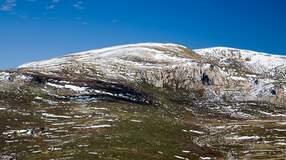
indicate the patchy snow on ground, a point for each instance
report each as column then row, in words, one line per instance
column 197, row 132
column 237, row 78
column 3, row 109
column 4, row 76
column 256, row 60
column 143, row 51
column 48, row 115
column 243, row 138
column 94, row 126
column 22, row 132
column 180, row 157
column 74, row 88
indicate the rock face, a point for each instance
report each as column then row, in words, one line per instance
column 154, row 73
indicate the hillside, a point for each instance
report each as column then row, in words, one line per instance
column 145, row 101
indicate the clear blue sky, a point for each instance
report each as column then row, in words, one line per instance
column 39, row 29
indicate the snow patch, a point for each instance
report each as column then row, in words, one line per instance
column 94, row 126
column 197, row 132
column 68, row 86
column 243, row 138
column 55, row 116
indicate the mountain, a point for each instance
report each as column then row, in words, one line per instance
column 155, row 73
column 146, row 101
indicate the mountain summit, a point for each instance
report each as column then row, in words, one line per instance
column 156, row 73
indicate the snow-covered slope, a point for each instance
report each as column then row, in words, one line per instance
column 128, row 63
column 255, row 62
column 147, row 52
column 216, row 74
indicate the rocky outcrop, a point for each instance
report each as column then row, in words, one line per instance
column 154, row 73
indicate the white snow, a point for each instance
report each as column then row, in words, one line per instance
column 280, row 130
column 55, row 85
column 256, row 60
column 76, row 88
column 54, row 149
column 38, row 98
column 273, row 115
column 281, row 123
column 68, row 86
column 4, row 76
column 237, row 78
column 243, row 138
column 194, row 131
column 23, row 132
column 281, row 143
column 142, row 51
column 136, row 121
column 63, row 123
column 55, row 116
column 95, row 126
column 46, row 100
column 93, row 153
column 180, row 157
